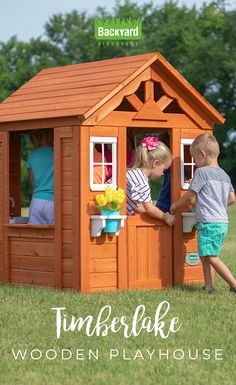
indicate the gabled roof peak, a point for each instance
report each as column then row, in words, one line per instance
column 77, row 89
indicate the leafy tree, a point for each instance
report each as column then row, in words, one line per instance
column 20, row 61
column 200, row 43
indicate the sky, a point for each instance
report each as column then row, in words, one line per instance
column 26, row 18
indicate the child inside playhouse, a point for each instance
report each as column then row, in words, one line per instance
column 164, row 196
column 152, row 157
column 129, row 155
column 214, row 192
column 40, row 165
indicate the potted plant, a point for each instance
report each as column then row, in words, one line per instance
column 110, row 205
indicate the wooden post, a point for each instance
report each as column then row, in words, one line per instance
column 178, row 268
column 5, row 207
column 122, row 261
column 15, row 172
column 58, row 208
column 76, row 186
column 148, row 90
column 84, row 216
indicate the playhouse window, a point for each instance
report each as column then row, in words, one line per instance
column 103, row 162
column 21, row 145
column 187, row 163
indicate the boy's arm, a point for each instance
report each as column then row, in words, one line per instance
column 231, row 198
column 185, row 200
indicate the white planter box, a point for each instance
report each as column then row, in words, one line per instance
column 189, row 220
column 98, row 223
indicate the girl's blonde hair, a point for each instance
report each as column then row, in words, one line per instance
column 144, row 157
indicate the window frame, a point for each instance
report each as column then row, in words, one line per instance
column 184, row 185
column 103, row 140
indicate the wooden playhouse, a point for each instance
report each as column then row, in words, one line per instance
column 88, row 104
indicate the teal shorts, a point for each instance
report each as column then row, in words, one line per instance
column 211, row 238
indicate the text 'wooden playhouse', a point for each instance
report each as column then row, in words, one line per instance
column 93, row 104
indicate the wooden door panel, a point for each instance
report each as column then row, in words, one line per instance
column 149, row 253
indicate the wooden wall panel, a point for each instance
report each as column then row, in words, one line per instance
column 103, row 263
column 189, row 242
column 122, row 238
column 68, row 198
column 15, row 173
column 58, row 186
column 5, row 206
column 31, row 261
column 183, row 243
column 149, row 253
column 103, row 269
column 175, row 195
column 67, row 280
column 32, row 278
column 102, row 280
column 84, row 220
column 33, row 248
column 193, row 274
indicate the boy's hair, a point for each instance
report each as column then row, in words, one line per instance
column 207, row 143
column 143, row 157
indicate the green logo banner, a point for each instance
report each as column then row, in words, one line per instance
column 118, row 29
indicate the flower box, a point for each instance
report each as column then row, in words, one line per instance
column 189, row 220
column 99, row 223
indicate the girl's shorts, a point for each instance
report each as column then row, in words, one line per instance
column 211, row 238
column 41, row 212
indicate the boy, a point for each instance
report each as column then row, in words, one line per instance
column 214, row 192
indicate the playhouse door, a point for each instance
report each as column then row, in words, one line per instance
column 149, row 253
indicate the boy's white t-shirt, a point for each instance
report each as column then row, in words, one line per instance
column 212, row 186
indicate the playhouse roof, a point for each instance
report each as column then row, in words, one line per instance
column 80, row 89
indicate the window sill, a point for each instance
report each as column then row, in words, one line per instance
column 25, row 225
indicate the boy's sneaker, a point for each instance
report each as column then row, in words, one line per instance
column 210, row 291
column 233, row 289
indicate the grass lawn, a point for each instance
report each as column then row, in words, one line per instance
column 208, row 322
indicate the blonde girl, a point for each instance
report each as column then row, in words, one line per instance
column 152, row 158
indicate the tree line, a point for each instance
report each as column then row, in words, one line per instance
column 199, row 42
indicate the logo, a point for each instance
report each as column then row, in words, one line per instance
column 192, row 259
column 117, row 29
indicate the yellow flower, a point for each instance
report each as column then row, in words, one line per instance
column 109, row 196
column 121, row 192
column 109, row 190
column 112, row 199
column 118, row 196
column 101, row 200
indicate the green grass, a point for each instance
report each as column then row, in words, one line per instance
column 208, row 322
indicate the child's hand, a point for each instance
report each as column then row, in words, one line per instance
column 173, row 208
column 169, row 219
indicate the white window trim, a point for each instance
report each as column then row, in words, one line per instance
column 184, row 185
column 103, row 140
